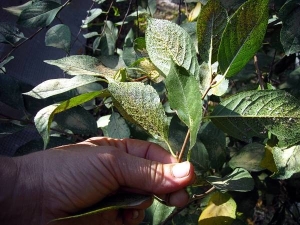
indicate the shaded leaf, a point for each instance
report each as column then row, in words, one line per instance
column 253, row 113
column 249, row 157
column 9, row 33
column 117, row 127
column 44, row 117
column 7, row 128
column 117, row 201
column 239, row 180
column 82, row 65
column 290, row 32
column 157, row 213
column 59, row 36
column 287, row 161
column 220, row 210
column 243, row 36
column 108, row 42
column 166, row 41
column 210, row 26
column 39, row 14
column 16, row 10
column 268, row 160
column 78, row 120
column 185, row 98
column 5, row 61
column 57, row 86
column 141, row 105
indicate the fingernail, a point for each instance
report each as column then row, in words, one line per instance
column 181, row 170
column 135, row 214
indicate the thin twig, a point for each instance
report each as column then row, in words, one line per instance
column 183, row 146
column 259, row 75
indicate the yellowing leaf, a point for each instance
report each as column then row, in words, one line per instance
column 220, row 210
column 268, row 160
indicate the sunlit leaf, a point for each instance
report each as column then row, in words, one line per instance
column 268, row 160
column 239, row 180
column 253, row 113
column 243, row 36
column 210, row 25
column 185, row 98
column 141, row 105
column 44, row 117
column 166, row 41
column 57, row 86
column 249, row 157
column 221, row 86
column 82, row 65
column 59, row 36
column 287, row 161
column 39, row 14
column 92, row 14
column 118, row 201
column 220, row 210
column 9, row 33
column 195, row 12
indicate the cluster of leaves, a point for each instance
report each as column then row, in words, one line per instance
column 218, row 90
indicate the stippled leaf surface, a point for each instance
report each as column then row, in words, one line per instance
column 290, row 32
column 44, row 117
column 286, row 161
column 118, row 201
column 220, row 210
column 82, row 65
column 243, row 36
column 39, row 14
column 59, row 36
column 210, row 25
column 185, row 98
column 57, row 86
column 166, row 41
column 141, row 105
column 253, row 113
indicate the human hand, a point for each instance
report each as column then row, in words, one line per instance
column 59, row 182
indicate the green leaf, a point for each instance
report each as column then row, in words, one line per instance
column 57, row 86
column 215, row 142
column 210, row 25
column 290, row 33
column 82, row 65
column 44, row 117
column 7, row 128
column 286, row 161
column 39, row 14
column 92, row 14
column 221, row 209
column 117, row 127
column 243, row 36
column 140, row 104
column 157, row 213
column 185, row 98
column 5, row 61
column 108, row 42
column 77, row 120
column 59, row 36
column 9, row 33
column 166, row 41
column 16, row 10
column 239, row 180
column 117, row 201
column 249, row 157
column 253, row 113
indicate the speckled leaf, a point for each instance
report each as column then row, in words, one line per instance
column 286, row 161
column 239, row 180
column 166, row 41
column 243, row 36
column 114, row 202
column 253, row 113
column 44, row 117
column 185, row 98
column 210, row 26
column 221, row 209
column 82, row 65
column 290, row 32
column 141, row 105
column 59, row 36
column 39, row 14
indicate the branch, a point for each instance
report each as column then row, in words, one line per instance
column 259, row 75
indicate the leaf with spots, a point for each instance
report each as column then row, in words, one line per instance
column 140, row 104
column 166, row 41
column 254, row 113
column 243, row 36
